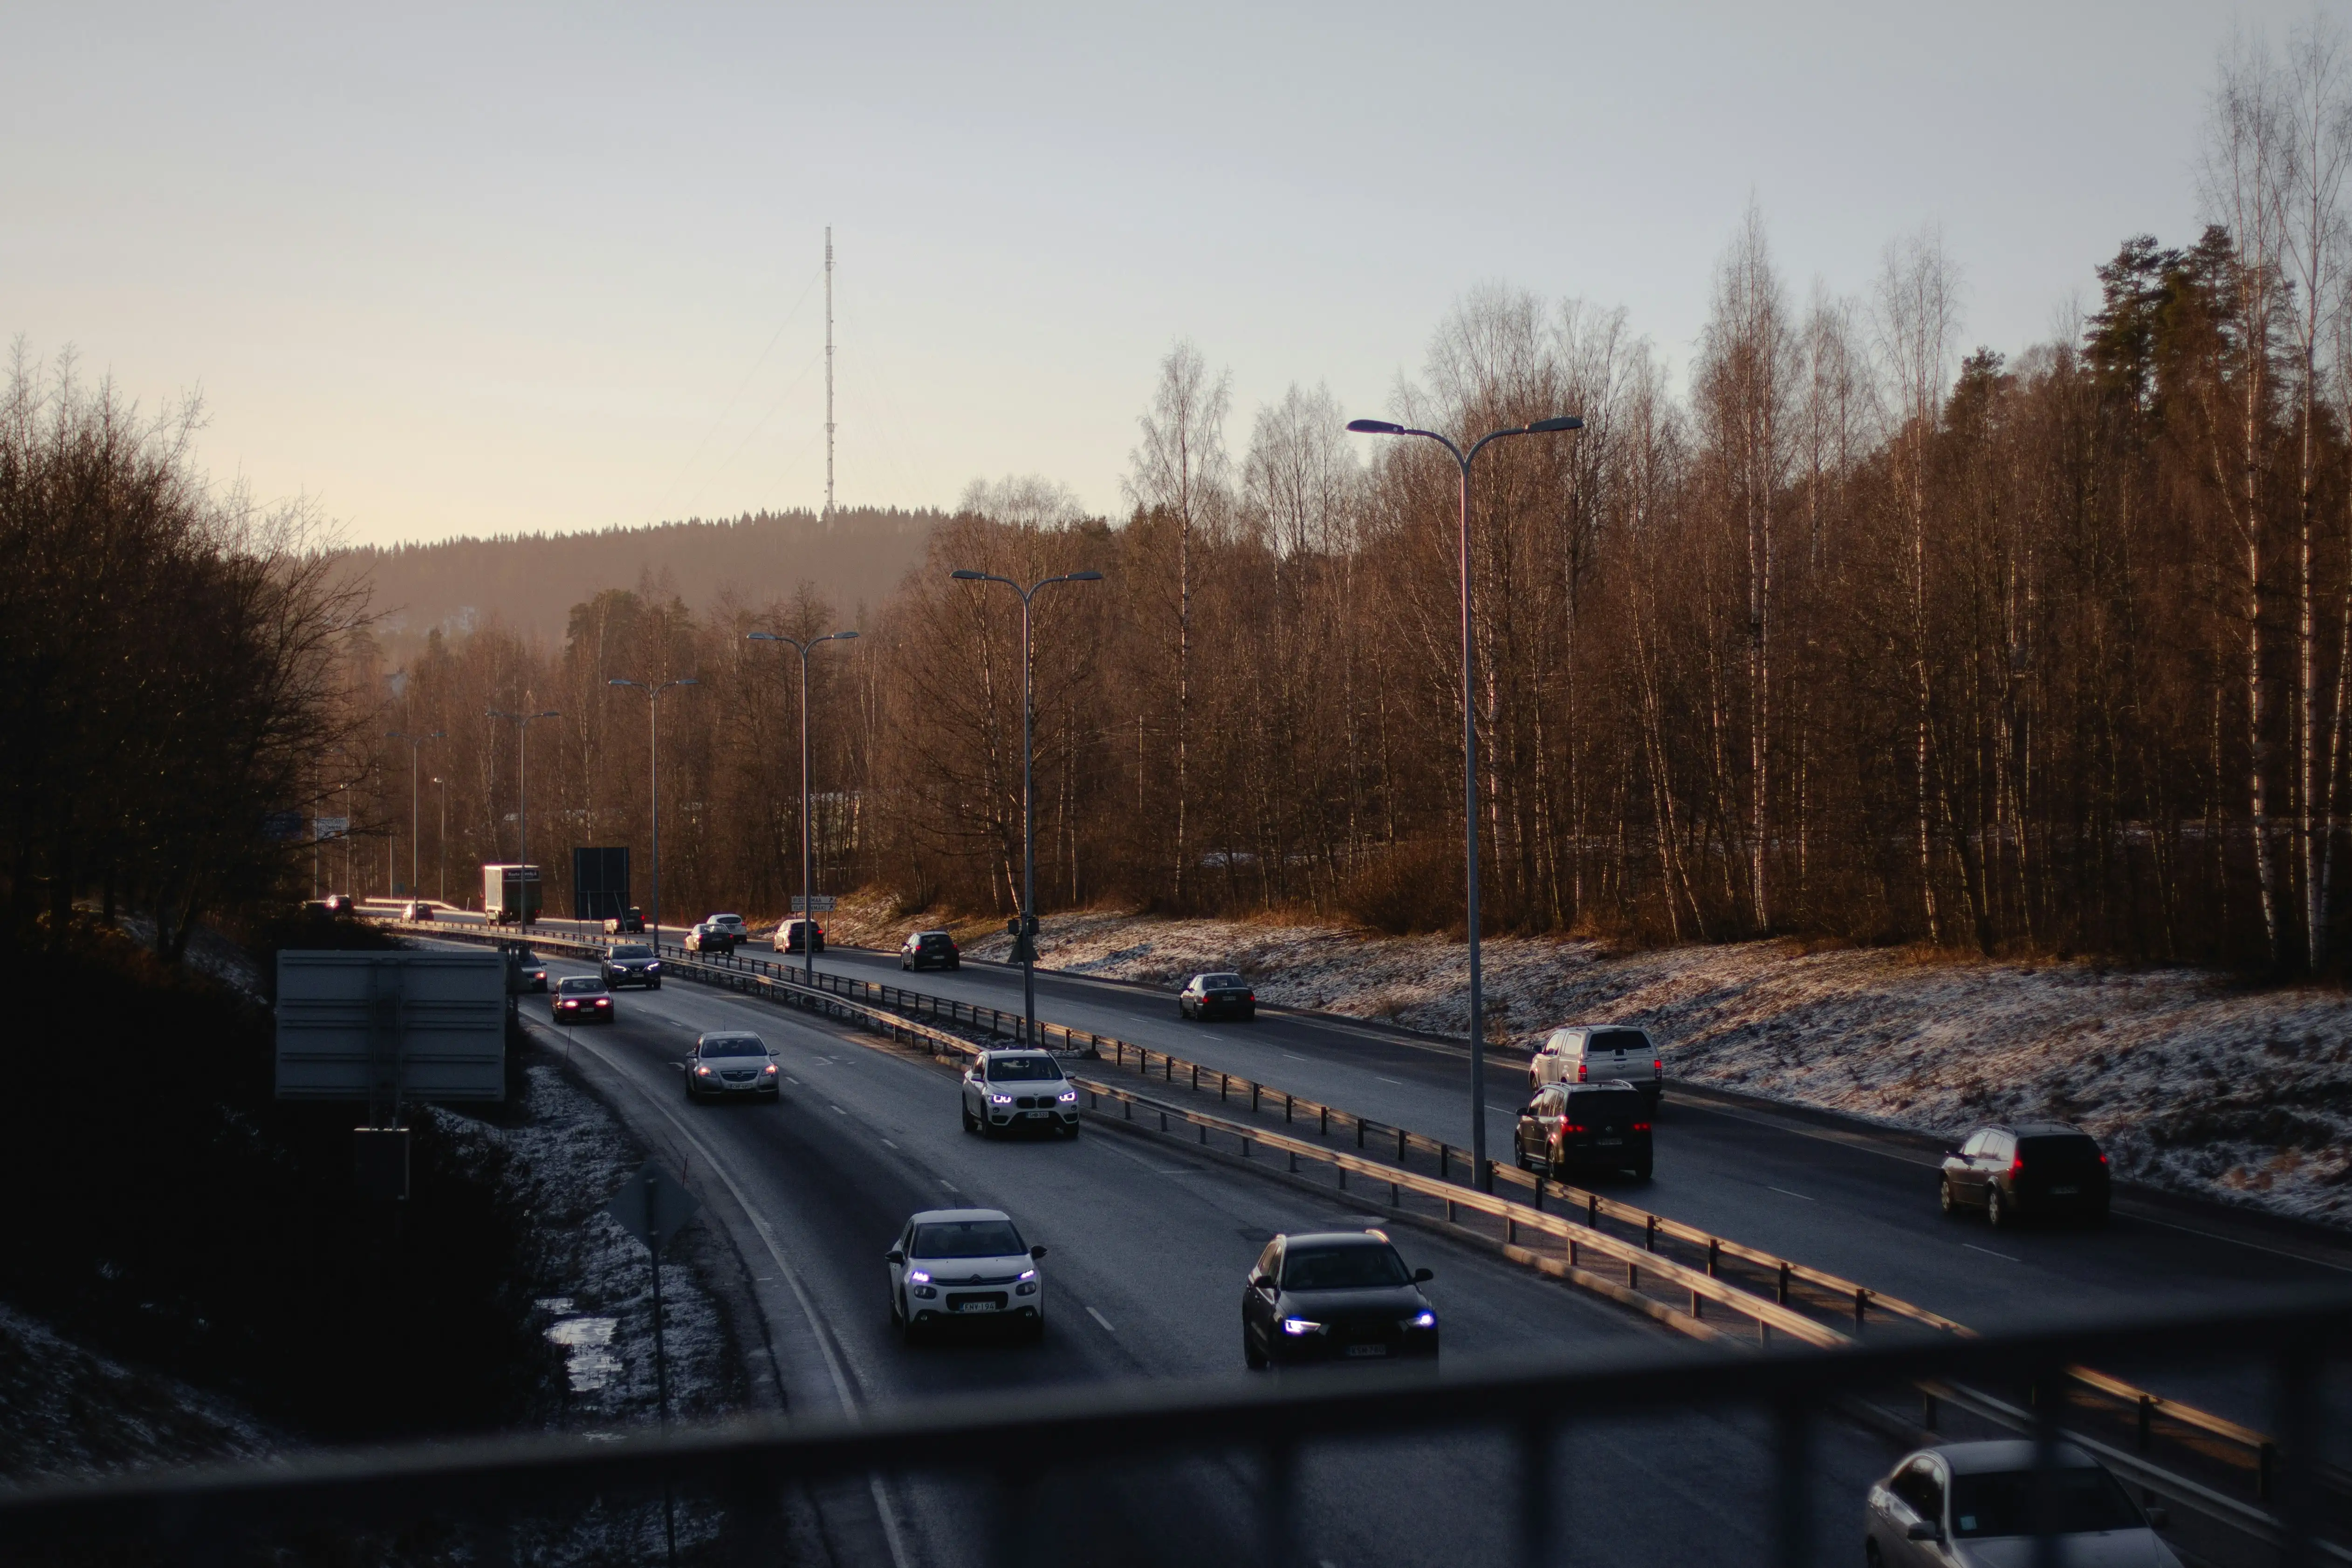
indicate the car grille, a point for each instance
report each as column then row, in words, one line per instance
column 956, row 1301
column 1382, row 1330
column 1032, row 1102
column 739, row 1077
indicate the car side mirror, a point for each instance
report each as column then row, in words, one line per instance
column 1036, row 1252
column 1528, row 1110
column 894, row 1256
column 1261, row 1282
column 1424, row 1276
column 1924, row 1530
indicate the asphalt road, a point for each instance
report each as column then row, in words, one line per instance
column 1148, row 1246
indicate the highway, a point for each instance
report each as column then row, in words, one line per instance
column 1149, row 1247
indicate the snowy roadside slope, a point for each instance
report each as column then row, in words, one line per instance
column 68, row 1411
column 2193, row 1082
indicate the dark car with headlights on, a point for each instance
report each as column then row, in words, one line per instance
column 580, row 998
column 732, row 1065
column 1342, row 1295
column 1585, row 1126
column 929, row 950
column 632, row 963
column 2028, row 1170
column 528, row 969
column 1216, row 996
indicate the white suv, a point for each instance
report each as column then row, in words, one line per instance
column 1597, row 1054
column 1019, row 1091
column 965, row 1265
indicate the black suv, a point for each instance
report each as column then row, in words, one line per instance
column 1335, row 1296
column 927, row 950
column 2028, row 1170
column 1592, row 1126
column 632, row 963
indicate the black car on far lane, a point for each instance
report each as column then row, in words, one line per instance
column 1588, row 1126
column 2017, row 1171
column 1216, row 995
column 1342, row 1295
column 632, row 963
column 928, row 950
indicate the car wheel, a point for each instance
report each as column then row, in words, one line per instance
column 1251, row 1357
column 957, row 965
column 908, row 1332
column 656, row 985
column 1871, row 1555
column 1950, row 1204
column 1642, row 1171
column 897, row 1318
column 1071, row 1131
column 1997, row 1212
column 971, row 1122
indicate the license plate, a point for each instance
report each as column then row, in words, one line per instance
column 976, row 1306
column 1610, row 1143
column 2064, row 1191
column 1367, row 1350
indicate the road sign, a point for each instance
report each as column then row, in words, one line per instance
column 422, row 1025
column 281, row 827
column 652, row 1205
column 821, row 905
column 331, row 827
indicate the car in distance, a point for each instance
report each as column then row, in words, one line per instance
column 1342, row 1295
column 1585, row 1126
column 340, row 904
column 965, row 1266
column 2028, row 1170
column 530, row 969
column 416, row 909
column 1598, row 1054
column 704, row 937
column 929, row 950
column 732, row 1065
column 1021, row 1090
column 1216, row 995
column 580, row 998
column 1972, row 1505
column 630, row 921
column 632, row 963
column 793, row 932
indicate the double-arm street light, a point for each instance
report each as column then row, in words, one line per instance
column 803, row 646
column 416, row 744
column 1470, row 755
column 653, row 690
column 1024, row 947
column 522, row 723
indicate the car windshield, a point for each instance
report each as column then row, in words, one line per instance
column 1220, row 982
column 2001, row 1503
column 1022, row 1069
column 967, row 1238
column 735, row 1045
column 1617, row 1040
column 2060, row 1152
column 632, row 950
column 1342, row 1269
column 583, row 983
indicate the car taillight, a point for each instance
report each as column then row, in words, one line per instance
column 2017, row 1166
column 1574, row 1127
column 2103, row 1158
column 1658, row 1066
column 1641, row 1126
column 1579, row 1072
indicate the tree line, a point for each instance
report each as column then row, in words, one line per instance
column 1864, row 635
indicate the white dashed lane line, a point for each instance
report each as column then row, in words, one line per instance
column 1990, row 1253
column 1786, row 1193
column 1102, row 1320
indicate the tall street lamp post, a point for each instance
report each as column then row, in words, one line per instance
column 1462, row 460
column 522, row 723
column 1024, row 947
column 441, row 840
column 653, row 690
column 803, row 646
column 416, row 744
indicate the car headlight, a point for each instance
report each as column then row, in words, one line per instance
column 919, row 1277
column 996, row 1099
column 1025, row 1288
column 1028, row 1273
column 1304, row 1326
column 1069, row 1096
column 1421, row 1320
column 702, row 1072
column 651, row 968
column 768, row 1071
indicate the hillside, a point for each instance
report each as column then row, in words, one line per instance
column 531, row 581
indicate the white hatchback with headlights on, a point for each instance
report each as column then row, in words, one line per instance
column 1019, row 1091
column 732, row 1065
column 964, row 1266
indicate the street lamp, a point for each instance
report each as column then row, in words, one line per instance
column 808, row 891
column 1483, row 1177
column 416, row 743
column 522, row 723
column 441, row 840
column 653, row 691
column 1024, row 947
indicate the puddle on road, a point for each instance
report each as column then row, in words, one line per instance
column 589, row 1363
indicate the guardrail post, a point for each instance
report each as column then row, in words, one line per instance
column 1592, row 1210
column 1445, row 1152
column 1286, row 1109
column 1539, row 1186
column 1399, row 1145
column 1510, row 1231
column 1860, row 1306
column 1293, row 1162
column 1928, row 1413
column 1255, row 1089
column 1714, row 1258
column 1699, row 1304
column 1224, row 1081
column 1650, row 1235
column 1196, row 1078
column 1169, row 1063
column 1324, row 1128
column 1572, row 1252
column 1396, row 1200
column 1783, row 1292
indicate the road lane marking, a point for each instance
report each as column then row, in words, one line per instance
column 888, row 1144
column 1102, row 1320
column 1796, row 1195
column 839, row 1112
column 1294, row 1056
column 1397, row 1081
column 1990, row 1253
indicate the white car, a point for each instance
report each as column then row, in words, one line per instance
column 1019, row 1091
column 705, row 937
column 732, row 1064
column 1599, row 1054
column 416, row 909
column 964, row 1265
column 1969, row 1505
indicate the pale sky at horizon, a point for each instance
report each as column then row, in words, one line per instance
column 514, row 269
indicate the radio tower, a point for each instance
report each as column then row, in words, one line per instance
column 828, row 372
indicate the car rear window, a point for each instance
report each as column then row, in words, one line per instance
column 967, row 1238
column 1022, row 1069
column 2058, row 1152
column 2001, row 1503
column 1220, row 982
column 1617, row 1040
column 1355, row 1267
column 734, row 1045
column 1605, row 1101
column 935, row 940
column 579, row 984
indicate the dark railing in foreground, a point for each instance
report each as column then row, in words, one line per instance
column 185, row 1515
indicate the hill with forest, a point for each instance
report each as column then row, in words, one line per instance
column 529, row 582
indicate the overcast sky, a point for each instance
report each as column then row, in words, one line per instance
column 481, row 269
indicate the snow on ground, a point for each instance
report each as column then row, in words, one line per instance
column 2192, row 1081
column 68, row 1411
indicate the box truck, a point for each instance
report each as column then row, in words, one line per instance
column 510, row 894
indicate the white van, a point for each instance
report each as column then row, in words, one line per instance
column 1595, row 1053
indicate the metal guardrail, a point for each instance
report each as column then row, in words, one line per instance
column 2143, row 1408
column 495, row 1490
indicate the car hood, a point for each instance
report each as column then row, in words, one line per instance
column 967, row 1270
column 1400, row 1299
column 2110, row 1549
